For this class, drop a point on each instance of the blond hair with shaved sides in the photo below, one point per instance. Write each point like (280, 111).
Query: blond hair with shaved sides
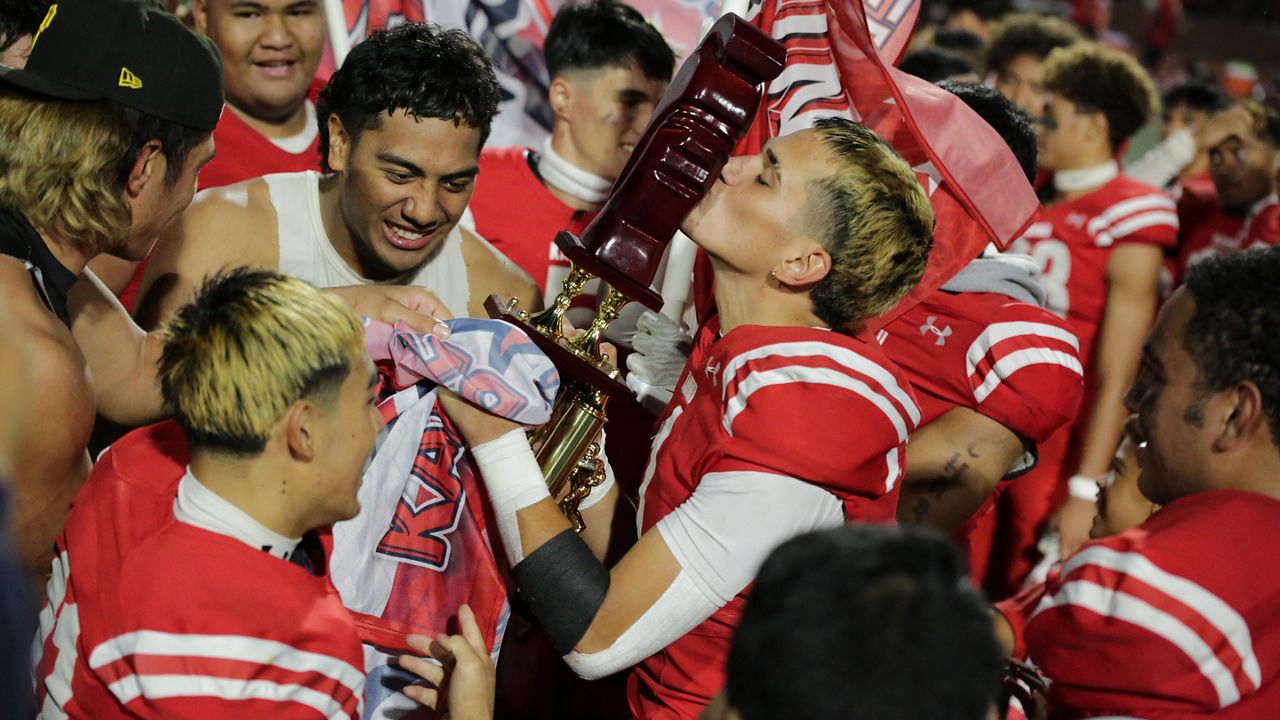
(64, 166)
(250, 345)
(875, 221)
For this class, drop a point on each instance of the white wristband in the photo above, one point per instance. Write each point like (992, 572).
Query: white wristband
(1083, 487)
(514, 482)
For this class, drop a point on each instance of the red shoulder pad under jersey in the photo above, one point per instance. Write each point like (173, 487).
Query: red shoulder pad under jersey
(1127, 211)
(208, 627)
(816, 405)
(1183, 596)
(1011, 361)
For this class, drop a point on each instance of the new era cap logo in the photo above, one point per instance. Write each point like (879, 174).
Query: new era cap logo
(129, 80)
(44, 24)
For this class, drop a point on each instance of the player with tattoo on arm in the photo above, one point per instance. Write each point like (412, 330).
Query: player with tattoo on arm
(995, 372)
(822, 230)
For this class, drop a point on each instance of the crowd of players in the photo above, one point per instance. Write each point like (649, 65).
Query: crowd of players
(1084, 431)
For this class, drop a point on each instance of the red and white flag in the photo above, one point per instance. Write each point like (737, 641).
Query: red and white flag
(840, 61)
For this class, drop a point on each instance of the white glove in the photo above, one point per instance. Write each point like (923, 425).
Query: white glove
(661, 349)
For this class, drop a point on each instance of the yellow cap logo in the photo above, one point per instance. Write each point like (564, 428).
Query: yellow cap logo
(48, 18)
(129, 80)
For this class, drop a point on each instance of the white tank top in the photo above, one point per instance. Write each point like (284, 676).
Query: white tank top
(307, 254)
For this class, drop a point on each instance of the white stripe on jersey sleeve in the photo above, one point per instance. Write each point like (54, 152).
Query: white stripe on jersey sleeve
(997, 333)
(1127, 227)
(651, 467)
(58, 685)
(733, 520)
(269, 653)
(1212, 608)
(157, 687)
(1119, 605)
(1018, 359)
(760, 379)
(895, 470)
(846, 357)
(1129, 207)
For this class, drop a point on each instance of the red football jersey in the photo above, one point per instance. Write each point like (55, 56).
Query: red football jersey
(1073, 240)
(1263, 227)
(128, 497)
(520, 217)
(243, 153)
(205, 626)
(1171, 619)
(135, 594)
(1011, 361)
(806, 403)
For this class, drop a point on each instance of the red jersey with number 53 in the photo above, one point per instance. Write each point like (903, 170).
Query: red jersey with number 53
(1073, 241)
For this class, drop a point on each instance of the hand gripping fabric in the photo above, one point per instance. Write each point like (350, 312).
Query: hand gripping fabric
(422, 544)
(487, 362)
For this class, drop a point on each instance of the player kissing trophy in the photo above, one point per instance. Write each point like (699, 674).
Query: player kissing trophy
(706, 110)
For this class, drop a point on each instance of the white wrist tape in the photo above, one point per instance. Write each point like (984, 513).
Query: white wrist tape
(1083, 487)
(514, 481)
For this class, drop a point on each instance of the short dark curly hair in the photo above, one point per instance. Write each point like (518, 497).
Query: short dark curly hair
(421, 68)
(1100, 79)
(606, 33)
(1027, 34)
(1231, 336)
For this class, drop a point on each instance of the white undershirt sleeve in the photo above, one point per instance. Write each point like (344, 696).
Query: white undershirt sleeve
(720, 536)
(723, 532)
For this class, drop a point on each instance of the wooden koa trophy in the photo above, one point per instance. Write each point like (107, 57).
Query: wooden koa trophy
(707, 109)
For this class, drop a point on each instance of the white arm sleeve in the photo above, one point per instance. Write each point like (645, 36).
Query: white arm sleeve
(720, 536)
(723, 532)
(679, 609)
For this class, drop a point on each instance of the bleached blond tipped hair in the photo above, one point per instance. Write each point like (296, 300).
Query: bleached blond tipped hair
(875, 221)
(250, 345)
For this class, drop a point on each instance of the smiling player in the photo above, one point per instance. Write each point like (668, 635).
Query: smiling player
(401, 127)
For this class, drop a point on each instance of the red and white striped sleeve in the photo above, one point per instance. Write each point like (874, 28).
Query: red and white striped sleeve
(1150, 218)
(823, 412)
(1026, 373)
(208, 676)
(1183, 643)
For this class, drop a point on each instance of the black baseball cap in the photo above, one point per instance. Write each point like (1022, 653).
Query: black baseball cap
(133, 52)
